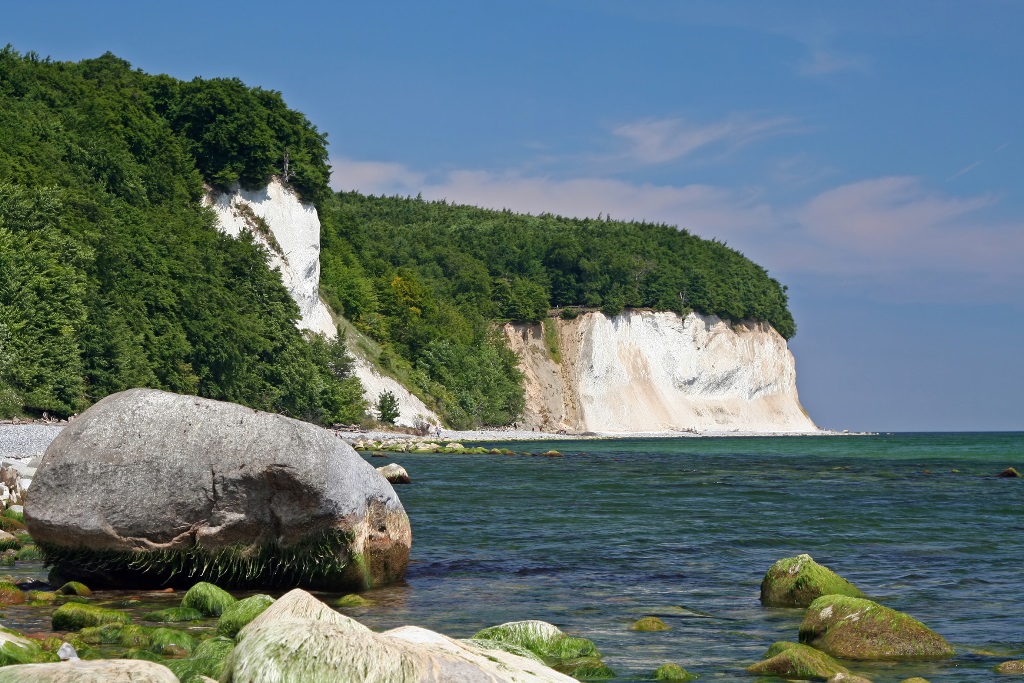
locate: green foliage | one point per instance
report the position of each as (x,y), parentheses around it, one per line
(387,407)
(112,274)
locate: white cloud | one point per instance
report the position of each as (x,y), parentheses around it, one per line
(821,62)
(656,141)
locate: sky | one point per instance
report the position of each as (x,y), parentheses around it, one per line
(868,154)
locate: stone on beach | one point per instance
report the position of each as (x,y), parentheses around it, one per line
(799,581)
(149,487)
(854,628)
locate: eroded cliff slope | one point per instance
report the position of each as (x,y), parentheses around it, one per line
(643,371)
(290,229)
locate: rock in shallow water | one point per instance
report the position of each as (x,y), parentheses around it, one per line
(853,628)
(149,487)
(799,581)
(797,661)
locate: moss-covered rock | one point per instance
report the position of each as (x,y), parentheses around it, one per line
(11,594)
(799,581)
(352,600)
(854,628)
(239,614)
(171,642)
(17,649)
(1009,473)
(75,588)
(649,624)
(173,614)
(576,657)
(74,616)
(207,660)
(915,679)
(673,673)
(128,635)
(849,678)
(797,661)
(1014,666)
(208,599)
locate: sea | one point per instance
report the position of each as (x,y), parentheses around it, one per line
(685,529)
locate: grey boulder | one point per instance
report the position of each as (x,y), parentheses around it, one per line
(95,671)
(148,487)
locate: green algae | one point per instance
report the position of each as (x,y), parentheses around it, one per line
(1014,666)
(75,588)
(173,614)
(797,661)
(576,657)
(74,616)
(854,628)
(127,635)
(673,673)
(163,639)
(352,600)
(29,553)
(799,581)
(237,615)
(209,656)
(649,624)
(208,599)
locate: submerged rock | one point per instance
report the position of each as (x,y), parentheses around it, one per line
(1009,473)
(673,673)
(649,624)
(799,581)
(91,671)
(395,473)
(148,487)
(298,638)
(1014,666)
(853,628)
(74,616)
(797,661)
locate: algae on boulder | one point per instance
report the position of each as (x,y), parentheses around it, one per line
(673,673)
(577,657)
(173,614)
(151,488)
(649,624)
(1014,666)
(74,616)
(237,615)
(797,661)
(207,659)
(208,599)
(854,628)
(799,581)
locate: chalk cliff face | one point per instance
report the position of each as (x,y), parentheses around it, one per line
(643,371)
(290,229)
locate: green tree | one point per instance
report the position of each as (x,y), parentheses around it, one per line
(387,407)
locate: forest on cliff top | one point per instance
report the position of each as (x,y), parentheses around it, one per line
(112,274)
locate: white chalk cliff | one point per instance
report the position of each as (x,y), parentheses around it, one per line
(643,371)
(295,227)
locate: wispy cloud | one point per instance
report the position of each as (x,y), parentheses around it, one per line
(656,141)
(820,62)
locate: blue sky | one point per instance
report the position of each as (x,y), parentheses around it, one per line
(868,154)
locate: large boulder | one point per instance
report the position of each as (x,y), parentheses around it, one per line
(799,581)
(853,628)
(298,638)
(148,487)
(95,671)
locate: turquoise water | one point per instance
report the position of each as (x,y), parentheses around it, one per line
(686,528)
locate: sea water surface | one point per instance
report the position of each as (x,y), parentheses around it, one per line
(685,529)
